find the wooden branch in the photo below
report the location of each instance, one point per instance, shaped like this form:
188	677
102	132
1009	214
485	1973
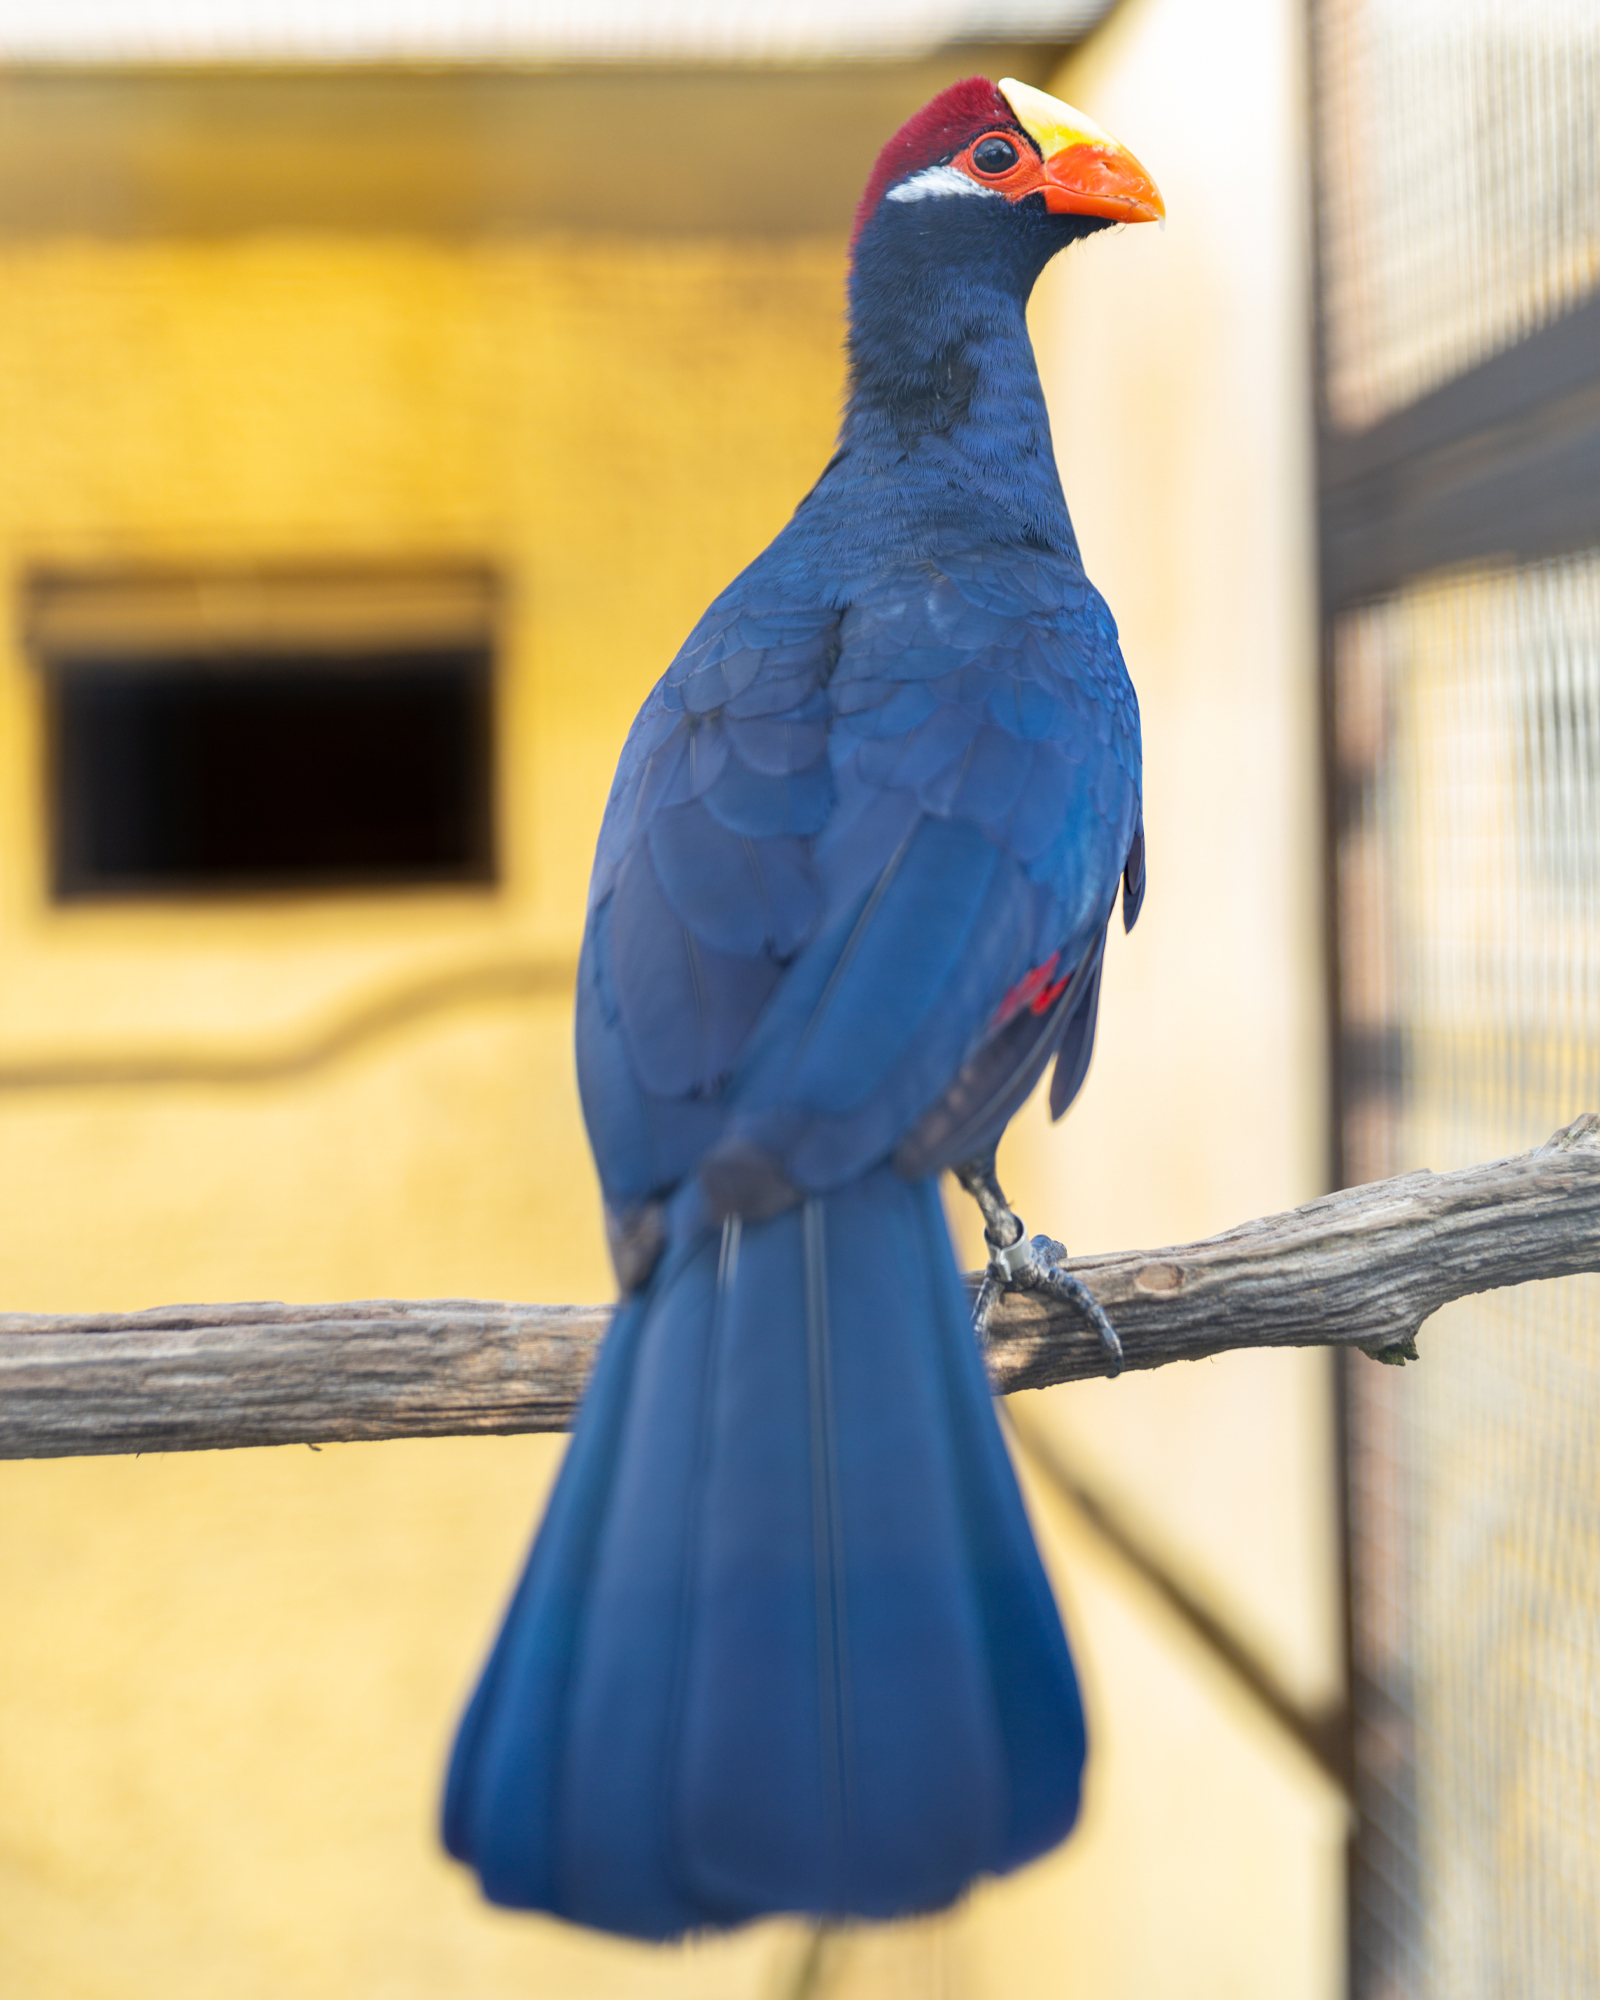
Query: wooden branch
1365	1267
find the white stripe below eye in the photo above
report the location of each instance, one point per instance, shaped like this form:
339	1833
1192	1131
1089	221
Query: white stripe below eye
934	181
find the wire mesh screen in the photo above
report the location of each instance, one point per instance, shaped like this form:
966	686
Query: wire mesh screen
1460	147
1468	759
1458	170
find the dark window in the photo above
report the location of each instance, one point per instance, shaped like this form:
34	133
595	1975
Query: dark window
230	733
263	772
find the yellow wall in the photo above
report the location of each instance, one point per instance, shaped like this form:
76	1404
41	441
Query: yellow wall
617	430
226	1681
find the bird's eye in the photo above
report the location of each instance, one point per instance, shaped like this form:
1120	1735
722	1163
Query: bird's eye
994	155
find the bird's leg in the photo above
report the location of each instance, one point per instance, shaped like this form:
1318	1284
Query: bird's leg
1018	1264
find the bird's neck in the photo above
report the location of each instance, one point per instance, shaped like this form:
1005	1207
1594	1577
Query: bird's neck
945	406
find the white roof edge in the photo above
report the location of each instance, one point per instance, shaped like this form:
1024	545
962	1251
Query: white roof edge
203	31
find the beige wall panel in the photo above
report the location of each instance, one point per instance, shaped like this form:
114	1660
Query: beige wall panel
1207	1865
1176	362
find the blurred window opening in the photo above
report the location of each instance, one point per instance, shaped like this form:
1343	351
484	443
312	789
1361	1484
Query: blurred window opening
1460	511
229	734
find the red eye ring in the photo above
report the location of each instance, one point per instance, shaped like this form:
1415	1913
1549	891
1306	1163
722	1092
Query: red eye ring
1003	155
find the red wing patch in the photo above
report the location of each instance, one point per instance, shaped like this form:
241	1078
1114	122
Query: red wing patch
1038	991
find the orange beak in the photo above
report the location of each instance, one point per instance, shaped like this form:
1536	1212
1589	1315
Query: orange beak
1086	171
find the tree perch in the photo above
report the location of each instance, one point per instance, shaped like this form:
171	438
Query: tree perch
1361	1268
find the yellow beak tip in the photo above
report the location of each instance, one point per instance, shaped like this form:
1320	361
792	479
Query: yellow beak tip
1118	190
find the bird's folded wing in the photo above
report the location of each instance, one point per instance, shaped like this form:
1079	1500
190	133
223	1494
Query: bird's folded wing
839	845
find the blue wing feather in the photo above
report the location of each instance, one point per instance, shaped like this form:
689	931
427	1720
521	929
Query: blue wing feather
953	756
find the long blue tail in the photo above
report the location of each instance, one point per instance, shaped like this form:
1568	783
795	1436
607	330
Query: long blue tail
784	1641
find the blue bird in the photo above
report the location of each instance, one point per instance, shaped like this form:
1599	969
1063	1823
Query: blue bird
784	1642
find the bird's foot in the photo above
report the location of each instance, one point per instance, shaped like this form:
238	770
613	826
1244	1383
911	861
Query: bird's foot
1033	1264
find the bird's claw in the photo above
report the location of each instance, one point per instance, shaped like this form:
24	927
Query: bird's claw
1033	1264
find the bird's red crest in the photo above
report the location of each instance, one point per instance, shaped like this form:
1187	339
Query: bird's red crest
942	127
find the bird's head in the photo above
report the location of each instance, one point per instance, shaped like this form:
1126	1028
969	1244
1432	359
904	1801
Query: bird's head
1000	172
